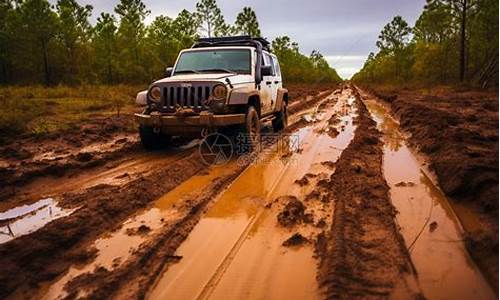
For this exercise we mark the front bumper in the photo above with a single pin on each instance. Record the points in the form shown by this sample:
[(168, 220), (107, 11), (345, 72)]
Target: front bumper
[(179, 124)]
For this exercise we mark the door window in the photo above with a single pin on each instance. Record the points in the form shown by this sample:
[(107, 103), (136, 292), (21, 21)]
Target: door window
[(267, 61)]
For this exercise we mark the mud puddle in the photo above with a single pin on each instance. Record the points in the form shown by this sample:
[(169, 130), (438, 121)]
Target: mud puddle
[(429, 226), (115, 248), (26, 219), (236, 250)]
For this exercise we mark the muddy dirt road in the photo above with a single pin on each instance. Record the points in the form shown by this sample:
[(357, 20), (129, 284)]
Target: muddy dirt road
[(338, 206)]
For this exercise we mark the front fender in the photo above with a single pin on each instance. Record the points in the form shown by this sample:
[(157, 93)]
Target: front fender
[(241, 95)]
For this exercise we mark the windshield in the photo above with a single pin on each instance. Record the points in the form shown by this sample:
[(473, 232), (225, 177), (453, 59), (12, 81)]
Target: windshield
[(214, 61)]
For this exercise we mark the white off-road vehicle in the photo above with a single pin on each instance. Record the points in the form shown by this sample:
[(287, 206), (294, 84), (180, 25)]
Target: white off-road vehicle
[(217, 84)]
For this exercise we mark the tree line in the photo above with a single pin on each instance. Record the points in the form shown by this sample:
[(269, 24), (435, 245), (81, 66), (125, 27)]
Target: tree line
[(49, 44), (452, 41)]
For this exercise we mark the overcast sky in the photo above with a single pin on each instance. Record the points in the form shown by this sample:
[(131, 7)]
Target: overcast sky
[(343, 31)]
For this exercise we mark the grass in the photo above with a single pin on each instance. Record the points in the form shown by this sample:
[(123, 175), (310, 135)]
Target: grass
[(37, 110)]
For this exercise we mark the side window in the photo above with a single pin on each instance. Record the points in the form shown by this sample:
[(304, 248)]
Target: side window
[(267, 61), (276, 65)]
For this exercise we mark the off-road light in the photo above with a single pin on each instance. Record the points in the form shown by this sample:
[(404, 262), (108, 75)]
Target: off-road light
[(155, 93), (219, 92)]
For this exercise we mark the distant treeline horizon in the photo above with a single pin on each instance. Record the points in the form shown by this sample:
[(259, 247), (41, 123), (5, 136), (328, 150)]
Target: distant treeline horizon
[(49, 44), (452, 42)]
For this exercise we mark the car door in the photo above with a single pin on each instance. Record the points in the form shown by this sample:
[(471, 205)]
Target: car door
[(266, 87), (277, 81)]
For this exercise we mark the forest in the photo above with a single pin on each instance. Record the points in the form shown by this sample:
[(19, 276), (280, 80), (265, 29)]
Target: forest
[(452, 42), (47, 44)]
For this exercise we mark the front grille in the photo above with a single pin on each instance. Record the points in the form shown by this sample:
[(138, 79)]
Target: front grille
[(174, 95)]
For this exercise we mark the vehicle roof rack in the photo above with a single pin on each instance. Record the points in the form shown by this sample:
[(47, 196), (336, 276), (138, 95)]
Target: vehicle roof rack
[(242, 40)]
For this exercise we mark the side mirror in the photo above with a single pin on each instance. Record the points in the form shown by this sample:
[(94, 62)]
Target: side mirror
[(168, 71), (266, 71)]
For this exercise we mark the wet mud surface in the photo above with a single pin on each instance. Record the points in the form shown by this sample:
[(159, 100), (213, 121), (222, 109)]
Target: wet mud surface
[(86, 146), (78, 254), (328, 211), (458, 133), (259, 236), (431, 230)]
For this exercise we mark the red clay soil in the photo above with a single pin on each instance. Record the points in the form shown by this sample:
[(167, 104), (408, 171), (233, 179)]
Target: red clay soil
[(458, 132), (364, 256)]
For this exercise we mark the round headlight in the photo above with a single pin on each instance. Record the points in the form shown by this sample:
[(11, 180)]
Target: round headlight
[(155, 93), (219, 92)]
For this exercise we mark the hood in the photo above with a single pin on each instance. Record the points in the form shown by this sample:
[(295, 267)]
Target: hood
[(235, 78)]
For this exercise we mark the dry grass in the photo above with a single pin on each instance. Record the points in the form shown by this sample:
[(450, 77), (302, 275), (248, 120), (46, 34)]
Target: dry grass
[(37, 110)]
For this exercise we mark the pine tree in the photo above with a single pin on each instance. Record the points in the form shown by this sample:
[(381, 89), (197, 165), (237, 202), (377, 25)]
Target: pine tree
[(246, 23)]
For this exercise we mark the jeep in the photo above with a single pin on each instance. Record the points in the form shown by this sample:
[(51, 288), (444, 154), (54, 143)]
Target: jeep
[(216, 85)]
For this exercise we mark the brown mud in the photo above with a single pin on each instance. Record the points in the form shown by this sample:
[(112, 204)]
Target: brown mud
[(431, 230), (80, 239), (335, 209), (86, 146), (458, 133), (246, 252), (48, 252), (365, 256)]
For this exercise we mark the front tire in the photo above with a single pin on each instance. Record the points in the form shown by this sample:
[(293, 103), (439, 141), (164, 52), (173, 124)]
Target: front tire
[(251, 130), (152, 140), (280, 121)]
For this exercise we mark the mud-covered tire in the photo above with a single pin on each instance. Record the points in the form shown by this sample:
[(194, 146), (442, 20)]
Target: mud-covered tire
[(251, 129), (151, 140), (280, 120)]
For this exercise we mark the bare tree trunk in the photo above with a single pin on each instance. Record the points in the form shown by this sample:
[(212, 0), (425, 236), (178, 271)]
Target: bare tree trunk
[(462, 40), (45, 62)]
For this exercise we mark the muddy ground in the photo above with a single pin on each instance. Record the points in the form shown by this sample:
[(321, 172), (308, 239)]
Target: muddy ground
[(458, 132), (100, 170), (316, 221)]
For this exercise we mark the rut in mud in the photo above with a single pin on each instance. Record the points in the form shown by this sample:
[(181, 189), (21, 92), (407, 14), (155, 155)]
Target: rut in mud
[(365, 255)]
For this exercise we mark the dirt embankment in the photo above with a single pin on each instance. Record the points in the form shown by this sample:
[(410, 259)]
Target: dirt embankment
[(458, 132), (364, 256)]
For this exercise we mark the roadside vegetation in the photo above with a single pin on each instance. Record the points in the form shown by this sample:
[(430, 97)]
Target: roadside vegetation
[(452, 42), (64, 68), (49, 44), (39, 110)]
